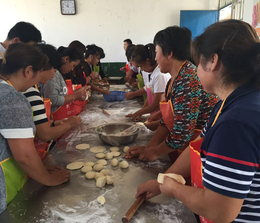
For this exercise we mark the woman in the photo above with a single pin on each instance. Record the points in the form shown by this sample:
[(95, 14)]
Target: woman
[(44, 130), (144, 57), (224, 163), (187, 106), (56, 88), (20, 68)]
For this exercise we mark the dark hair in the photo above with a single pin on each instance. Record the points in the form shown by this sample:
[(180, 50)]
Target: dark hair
[(237, 45), (79, 46), (175, 40), (142, 53), (71, 52), (129, 51), (92, 50), (129, 42), (53, 55), (22, 55), (26, 32), (101, 52)]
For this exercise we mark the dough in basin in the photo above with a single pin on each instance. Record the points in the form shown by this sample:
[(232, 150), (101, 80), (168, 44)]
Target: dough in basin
[(177, 177), (100, 155), (98, 167), (101, 200), (89, 164), (109, 156), (101, 181), (115, 154), (90, 175), (114, 162), (126, 149), (98, 149), (82, 146), (114, 149), (75, 165), (124, 164), (103, 162), (86, 169)]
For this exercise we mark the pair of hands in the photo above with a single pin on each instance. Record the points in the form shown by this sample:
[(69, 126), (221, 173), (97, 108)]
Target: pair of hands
[(73, 121), (129, 95), (94, 75), (57, 175), (152, 188), (81, 93), (144, 153)]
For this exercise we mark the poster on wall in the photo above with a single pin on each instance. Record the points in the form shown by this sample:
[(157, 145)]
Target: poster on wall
[(256, 14)]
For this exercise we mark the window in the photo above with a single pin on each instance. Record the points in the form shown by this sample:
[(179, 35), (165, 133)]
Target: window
[(231, 9)]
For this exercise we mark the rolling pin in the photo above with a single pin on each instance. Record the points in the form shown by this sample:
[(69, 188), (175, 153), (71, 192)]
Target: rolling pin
[(133, 208), (103, 110)]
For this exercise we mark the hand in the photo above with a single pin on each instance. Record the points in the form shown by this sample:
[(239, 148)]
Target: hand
[(58, 177), (122, 68), (134, 151), (52, 168), (129, 95), (74, 121), (80, 94), (152, 125), (154, 117), (167, 187), (149, 154), (94, 75), (134, 116), (106, 92), (151, 188), (60, 122)]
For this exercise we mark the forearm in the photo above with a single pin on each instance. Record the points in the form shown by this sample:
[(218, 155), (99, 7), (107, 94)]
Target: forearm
[(163, 149), (139, 92), (148, 109), (95, 88), (28, 159), (69, 98), (159, 136)]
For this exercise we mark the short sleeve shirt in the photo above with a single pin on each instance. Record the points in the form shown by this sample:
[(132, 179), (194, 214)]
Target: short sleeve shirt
[(230, 152), (15, 123)]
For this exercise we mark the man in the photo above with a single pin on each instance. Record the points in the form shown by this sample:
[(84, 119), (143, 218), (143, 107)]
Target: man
[(24, 32)]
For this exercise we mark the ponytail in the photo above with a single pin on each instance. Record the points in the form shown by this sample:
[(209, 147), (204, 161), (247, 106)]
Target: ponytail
[(142, 53)]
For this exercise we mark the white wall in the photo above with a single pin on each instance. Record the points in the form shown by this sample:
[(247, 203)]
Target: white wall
[(248, 10), (103, 22)]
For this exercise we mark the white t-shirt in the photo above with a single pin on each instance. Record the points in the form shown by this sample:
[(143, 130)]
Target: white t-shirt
[(2, 50), (145, 77), (158, 81)]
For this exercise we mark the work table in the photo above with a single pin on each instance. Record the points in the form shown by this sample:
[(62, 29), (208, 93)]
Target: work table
[(75, 201)]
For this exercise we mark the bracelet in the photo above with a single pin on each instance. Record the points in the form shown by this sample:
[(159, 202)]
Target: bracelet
[(90, 77), (53, 123)]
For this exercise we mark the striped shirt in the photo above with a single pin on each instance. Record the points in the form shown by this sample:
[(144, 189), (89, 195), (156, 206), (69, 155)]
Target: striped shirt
[(37, 105), (230, 152)]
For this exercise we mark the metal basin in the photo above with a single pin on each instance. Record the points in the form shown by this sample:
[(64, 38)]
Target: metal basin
[(114, 128)]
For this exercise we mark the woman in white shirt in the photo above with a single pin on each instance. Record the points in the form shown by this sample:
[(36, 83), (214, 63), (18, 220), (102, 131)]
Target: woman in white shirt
[(144, 57)]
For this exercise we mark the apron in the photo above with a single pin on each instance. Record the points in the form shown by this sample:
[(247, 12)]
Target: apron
[(77, 105), (167, 111), (14, 175), (127, 68), (196, 164), (141, 84), (41, 147), (66, 110)]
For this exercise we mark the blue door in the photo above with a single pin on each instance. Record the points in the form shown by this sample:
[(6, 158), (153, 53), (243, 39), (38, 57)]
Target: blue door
[(198, 20)]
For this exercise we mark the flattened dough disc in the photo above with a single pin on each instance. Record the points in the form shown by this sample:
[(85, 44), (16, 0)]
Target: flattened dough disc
[(98, 149), (75, 165), (82, 146)]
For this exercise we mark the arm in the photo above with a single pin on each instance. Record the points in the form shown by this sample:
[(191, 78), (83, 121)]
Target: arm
[(28, 159), (129, 75), (131, 95), (97, 89), (46, 133)]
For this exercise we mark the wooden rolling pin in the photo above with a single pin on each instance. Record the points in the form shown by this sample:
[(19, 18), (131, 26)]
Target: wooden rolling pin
[(103, 110), (133, 208)]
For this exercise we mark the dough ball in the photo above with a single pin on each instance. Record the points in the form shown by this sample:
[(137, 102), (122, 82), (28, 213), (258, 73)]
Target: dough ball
[(105, 172), (103, 162), (110, 180), (86, 169), (114, 162), (126, 149), (140, 123), (98, 167), (101, 181), (101, 200), (89, 164), (124, 164), (99, 175), (90, 175), (98, 149), (114, 149), (82, 146), (109, 156), (75, 165), (115, 154), (100, 155), (177, 177)]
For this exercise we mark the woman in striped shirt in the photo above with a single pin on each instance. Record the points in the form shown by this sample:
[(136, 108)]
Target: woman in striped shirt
[(224, 163)]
